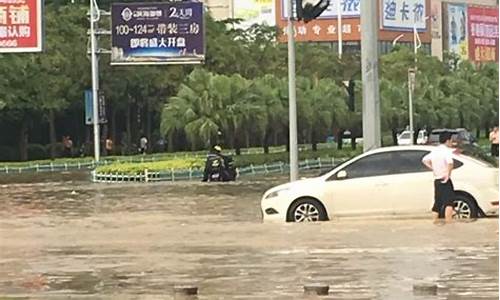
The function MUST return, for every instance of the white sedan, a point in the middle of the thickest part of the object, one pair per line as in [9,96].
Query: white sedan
[385,181]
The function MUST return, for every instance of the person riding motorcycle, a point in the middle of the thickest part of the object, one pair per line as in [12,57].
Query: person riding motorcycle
[219,167]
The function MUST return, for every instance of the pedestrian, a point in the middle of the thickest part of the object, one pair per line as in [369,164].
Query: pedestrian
[494,141]
[68,146]
[109,146]
[143,145]
[440,161]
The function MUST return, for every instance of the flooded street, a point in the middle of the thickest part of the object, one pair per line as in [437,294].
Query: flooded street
[72,238]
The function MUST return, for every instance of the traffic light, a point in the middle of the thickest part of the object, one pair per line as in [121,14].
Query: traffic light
[308,10]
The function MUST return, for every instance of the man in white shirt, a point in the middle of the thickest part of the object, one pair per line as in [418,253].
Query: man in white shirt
[440,161]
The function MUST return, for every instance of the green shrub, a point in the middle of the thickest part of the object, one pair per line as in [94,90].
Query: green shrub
[138,168]
[8,153]
[37,151]
[184,163]
[59,149]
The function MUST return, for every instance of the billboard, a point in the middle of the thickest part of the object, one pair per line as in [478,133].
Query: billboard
[157,33]
[403,14]
[483,33]
[349,8]
[323,30]
[20,26]
[457,30]
[255,12]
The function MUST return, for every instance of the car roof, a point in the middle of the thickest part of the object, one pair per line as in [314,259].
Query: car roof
[445,130]
[403,148]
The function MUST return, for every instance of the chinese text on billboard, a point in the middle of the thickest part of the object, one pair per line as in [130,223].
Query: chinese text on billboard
[20,26]
[157,33]
[403,14]
[483,33]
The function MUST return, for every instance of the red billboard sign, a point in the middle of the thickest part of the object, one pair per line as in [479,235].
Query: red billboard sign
[483,33]
[20,26]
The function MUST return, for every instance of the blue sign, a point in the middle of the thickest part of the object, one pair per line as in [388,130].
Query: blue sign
[404,14]
[157,33]
[348,9]
[89,108]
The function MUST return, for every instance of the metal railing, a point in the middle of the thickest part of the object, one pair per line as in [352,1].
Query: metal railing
[90,164]
[197,174]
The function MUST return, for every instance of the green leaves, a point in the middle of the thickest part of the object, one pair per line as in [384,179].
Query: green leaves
[464,96]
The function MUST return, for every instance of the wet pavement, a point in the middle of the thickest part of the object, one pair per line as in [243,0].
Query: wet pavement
[63,237]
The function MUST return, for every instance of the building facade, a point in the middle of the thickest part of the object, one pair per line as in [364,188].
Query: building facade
[397,19]
[220,9]
[442,25]
[453,29]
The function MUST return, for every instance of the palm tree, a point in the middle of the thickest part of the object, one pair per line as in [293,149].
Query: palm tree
[321,105]
[196,109]
[270,93]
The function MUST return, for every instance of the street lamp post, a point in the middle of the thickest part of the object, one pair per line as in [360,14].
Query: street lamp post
[411,88]
[339,28]
[292,102]
[94,17]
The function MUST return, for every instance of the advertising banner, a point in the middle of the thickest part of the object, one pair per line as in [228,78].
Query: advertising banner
[403,14]
[349,8]
[457,30]
[483,33]
[323,30]
[20,26]
[89,108]
[255,12]
[157,33]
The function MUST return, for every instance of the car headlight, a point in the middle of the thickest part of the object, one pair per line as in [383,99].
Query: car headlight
[276,193]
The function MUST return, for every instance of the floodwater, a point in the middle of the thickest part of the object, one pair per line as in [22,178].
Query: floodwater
[62,237]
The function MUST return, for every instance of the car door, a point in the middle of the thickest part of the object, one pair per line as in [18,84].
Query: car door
[410,188]
[362,190]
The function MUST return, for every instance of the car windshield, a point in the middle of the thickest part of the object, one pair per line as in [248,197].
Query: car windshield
[338,163]
[405,135]
[478,154]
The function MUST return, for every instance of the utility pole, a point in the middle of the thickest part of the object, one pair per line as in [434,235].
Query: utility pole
[94,17]
[369,63]
[339,28]
[292,101]
[411,88]
[412,73]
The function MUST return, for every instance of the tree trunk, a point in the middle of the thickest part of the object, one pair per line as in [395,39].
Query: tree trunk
[52,134]
[23,140]
[113,125]
[340,135]
[313,139]
[247,139]
[170,145]
[266,144]
[353,141]
[149,116]
[237,144]
[478,133]
[128,121]
[394,136]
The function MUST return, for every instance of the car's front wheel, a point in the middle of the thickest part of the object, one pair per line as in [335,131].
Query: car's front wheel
[307,210]
[464,208]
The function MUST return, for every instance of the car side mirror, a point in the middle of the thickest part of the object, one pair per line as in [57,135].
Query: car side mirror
[342,175]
